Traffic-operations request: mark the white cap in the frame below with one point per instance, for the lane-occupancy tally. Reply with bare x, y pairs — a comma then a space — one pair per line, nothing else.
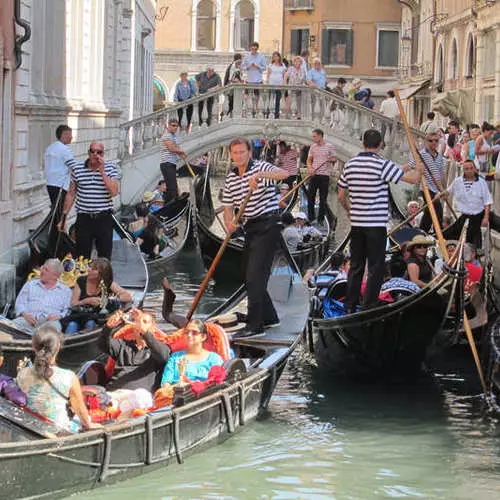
301, 215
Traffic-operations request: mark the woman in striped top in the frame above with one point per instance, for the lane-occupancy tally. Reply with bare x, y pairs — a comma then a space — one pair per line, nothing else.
262, 229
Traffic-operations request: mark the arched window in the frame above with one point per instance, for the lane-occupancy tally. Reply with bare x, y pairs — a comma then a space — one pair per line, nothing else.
159, 94
205, 25
244, 25
470, 57
439, 75
453, 72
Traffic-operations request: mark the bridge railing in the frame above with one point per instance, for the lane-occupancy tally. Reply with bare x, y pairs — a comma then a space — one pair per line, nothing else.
316, 107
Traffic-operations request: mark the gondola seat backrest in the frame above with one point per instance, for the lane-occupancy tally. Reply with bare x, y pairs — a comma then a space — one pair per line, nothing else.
337, 290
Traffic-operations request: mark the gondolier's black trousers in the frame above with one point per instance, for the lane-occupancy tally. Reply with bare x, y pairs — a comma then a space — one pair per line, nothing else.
94, 228
261, 242
426, 222
317, 183
367, 245
473, 230
169, 172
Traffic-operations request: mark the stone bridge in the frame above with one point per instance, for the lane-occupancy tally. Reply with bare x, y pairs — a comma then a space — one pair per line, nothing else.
308, 109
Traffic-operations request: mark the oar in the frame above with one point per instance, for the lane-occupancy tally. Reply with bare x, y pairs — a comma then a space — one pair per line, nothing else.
188, 166
217, 258
304, 180
410, 217
439, 234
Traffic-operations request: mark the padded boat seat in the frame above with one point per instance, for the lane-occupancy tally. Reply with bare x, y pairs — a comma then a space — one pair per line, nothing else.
337, 290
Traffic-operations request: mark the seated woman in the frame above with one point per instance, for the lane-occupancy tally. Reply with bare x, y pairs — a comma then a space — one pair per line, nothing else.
420, 270
291, 234
148, 239
397, 270
49, 388
198, 359
88, 290
141, 212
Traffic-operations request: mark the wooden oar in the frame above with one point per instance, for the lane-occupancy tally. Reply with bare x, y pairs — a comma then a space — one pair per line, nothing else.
188, 166
217, 258
305, 179
410, 217
439, 234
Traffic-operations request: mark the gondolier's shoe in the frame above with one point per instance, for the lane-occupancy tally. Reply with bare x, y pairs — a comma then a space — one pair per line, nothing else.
273, 323
247, 334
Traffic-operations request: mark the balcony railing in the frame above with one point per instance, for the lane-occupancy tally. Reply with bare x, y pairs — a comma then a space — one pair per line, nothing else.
415, 71
299, 4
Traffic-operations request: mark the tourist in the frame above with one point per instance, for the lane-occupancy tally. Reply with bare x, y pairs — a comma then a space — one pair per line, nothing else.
208, 81
398, 269
43, 300
255, 65
420, 270
284, 188
304, 56
295, 76
169, 155
316, 76
291, 234
184, 90
336, 112
453, 149
94, 184
390, 109
469, 146
483, 148
49, 389
262, 227
473, 200
366, 177
89, 291
233, 75
136, 226
306, 231
148, 239
434, 177
413, 208
159, 196
429, 126
57, 172
276, 76
451, 245
338, 90
367, 101
287, 160
198, 361
355, 88
139, 362
320, 161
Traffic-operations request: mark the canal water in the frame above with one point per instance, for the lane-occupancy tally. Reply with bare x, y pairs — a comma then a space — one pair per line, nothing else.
330, 439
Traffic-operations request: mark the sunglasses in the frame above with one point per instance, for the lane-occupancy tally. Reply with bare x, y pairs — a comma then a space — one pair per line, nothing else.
99, 152
420, 246
432, 140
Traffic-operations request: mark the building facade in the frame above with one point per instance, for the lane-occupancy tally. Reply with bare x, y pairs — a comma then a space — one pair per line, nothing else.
210, 31
87, 63
353, 38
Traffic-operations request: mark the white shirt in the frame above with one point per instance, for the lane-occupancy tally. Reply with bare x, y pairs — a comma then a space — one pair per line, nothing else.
470, 201
389, 108
57, 172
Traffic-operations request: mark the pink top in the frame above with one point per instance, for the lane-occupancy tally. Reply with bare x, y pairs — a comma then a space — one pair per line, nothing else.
320, 155
288, 161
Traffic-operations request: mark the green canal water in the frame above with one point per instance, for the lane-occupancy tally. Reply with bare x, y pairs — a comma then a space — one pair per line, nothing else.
324, 438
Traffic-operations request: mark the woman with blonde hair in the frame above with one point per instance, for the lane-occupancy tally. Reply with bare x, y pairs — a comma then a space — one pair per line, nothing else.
296, 77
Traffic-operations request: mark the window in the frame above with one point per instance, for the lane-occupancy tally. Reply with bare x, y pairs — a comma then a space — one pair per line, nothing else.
439, 78
205, 25
387, 47
337, 46
453, 71
244, 23
470, 55
299, 42
489, 53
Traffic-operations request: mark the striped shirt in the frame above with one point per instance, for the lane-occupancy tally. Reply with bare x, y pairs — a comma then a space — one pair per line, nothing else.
367, 176
166, 156
263, 200
288, 161
92, 195
320, 155
436, 166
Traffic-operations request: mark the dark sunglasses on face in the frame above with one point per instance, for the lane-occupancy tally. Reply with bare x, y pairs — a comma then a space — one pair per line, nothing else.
99, 152
419, 246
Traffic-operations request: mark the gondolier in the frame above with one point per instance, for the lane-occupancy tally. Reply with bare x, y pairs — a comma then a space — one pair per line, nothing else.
262, 229
367, 176
473, 200
94, 183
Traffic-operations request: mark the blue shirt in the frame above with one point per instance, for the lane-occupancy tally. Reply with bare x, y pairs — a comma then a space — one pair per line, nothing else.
317, 77
195, 370
254, 75
185, 91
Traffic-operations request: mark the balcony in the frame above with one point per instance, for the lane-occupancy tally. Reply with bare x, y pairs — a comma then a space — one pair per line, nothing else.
415, 71
293, 5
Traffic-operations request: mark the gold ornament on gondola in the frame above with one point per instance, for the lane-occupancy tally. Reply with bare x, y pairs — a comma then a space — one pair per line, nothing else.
72, 270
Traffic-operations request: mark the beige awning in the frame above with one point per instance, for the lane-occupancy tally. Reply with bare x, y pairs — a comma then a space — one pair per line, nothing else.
410, 90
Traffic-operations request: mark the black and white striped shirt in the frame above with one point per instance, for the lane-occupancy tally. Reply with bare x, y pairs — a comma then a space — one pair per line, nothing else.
167, 156
264, 199
436, 166
366, 176
92, 195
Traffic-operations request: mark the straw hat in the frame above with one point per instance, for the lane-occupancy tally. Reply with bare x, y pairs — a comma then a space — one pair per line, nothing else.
148, 196
420, 239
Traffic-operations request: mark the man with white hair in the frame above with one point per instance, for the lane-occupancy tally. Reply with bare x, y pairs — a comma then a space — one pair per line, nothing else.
43, 300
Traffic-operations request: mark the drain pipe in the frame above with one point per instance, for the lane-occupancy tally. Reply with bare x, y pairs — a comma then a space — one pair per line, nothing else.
21, 39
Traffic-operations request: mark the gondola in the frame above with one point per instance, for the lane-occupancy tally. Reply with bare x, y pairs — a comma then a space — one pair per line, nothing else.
230, 265
175, 218
129, 269
34, 466
491, 365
